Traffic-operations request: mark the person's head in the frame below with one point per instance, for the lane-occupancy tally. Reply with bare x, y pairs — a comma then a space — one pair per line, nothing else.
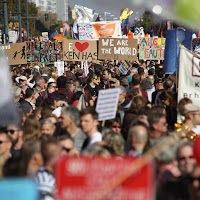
107, 74
133, 92
47, 127
138, 135
51, 150
168, 84
146, 84
67, 144
137, 103
61, 82
159, 84
124, 81
92, 79
185, 158
31, 128
31, 153
69, 117
114, 141
16, 93
182, 103
22, 81
15, 133
192, 114
136, 80
26, 108
89, 120
157, 122
45, 70
122, 94
40, 83
73, 68
5, 144
29, 93
167, 98
114, 125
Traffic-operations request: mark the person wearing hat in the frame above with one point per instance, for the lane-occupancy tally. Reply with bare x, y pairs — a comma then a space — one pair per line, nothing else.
192, 118
22, 82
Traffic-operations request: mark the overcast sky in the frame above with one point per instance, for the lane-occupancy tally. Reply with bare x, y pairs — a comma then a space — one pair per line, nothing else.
109, 6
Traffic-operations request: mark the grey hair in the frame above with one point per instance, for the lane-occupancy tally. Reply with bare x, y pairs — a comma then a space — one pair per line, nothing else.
93, 150
182, 145
123, 89
79, 88
72, 112
16, 91
47, 121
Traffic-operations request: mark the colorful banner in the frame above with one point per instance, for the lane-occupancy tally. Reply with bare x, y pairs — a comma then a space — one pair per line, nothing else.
89, 178
74, 50
124, 67
117, 49
66, 27
44, 52
151, 48
189, 76
45, 37
196, 45
85, 31
16, 53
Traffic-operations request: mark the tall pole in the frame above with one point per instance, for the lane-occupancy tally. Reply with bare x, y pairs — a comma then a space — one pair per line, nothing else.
20, 19
27, 21
5, 21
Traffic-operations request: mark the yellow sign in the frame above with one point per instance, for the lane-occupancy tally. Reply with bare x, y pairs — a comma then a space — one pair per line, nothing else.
16, 24
10, 24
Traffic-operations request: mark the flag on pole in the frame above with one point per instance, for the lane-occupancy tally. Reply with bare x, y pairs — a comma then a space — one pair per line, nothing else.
83, 14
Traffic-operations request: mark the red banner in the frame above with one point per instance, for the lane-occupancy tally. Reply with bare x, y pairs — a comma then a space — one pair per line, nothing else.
80, 178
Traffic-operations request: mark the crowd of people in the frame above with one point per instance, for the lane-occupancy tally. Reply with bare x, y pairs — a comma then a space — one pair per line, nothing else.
57, 118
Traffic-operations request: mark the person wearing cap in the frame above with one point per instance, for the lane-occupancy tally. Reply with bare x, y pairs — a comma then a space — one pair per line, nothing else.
22, 82
192, 117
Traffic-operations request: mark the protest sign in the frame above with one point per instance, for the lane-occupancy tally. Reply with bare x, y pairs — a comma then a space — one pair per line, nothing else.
45, 37
60, 67
85, 31
83, 50
107, 103
117, 49
16, 53
20, 189
44, 52
124, 67
151, 48
79, 178
196, 45
189, 75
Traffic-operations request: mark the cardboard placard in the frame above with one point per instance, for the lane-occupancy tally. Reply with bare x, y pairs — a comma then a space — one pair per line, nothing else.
79, 50
44, 52
107, 103
117, 49
16, 53
151, 48
79, 178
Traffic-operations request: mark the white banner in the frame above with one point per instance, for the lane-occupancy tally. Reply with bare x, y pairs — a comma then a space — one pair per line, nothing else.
107, 103
189, 76
83, 14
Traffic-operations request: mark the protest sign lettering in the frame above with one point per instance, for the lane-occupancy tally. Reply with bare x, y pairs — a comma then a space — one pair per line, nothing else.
85, 31
151, 48
16, 53
79, 178
81, 50
189, 75
117, 49
44, 52
107, 103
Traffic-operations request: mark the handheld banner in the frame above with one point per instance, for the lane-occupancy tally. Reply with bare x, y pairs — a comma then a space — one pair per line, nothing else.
74, 50
151, 48
117, 49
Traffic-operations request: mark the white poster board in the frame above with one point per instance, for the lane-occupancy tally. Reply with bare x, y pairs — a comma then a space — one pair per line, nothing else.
107, 103
189, 76
60, 67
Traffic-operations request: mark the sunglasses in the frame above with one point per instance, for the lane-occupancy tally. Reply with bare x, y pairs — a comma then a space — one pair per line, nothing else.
184, 158
20, 80
116, 126
1, 142
10, 131
67, 149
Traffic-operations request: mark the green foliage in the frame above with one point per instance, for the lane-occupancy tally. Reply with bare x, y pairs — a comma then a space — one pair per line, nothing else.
146, 22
